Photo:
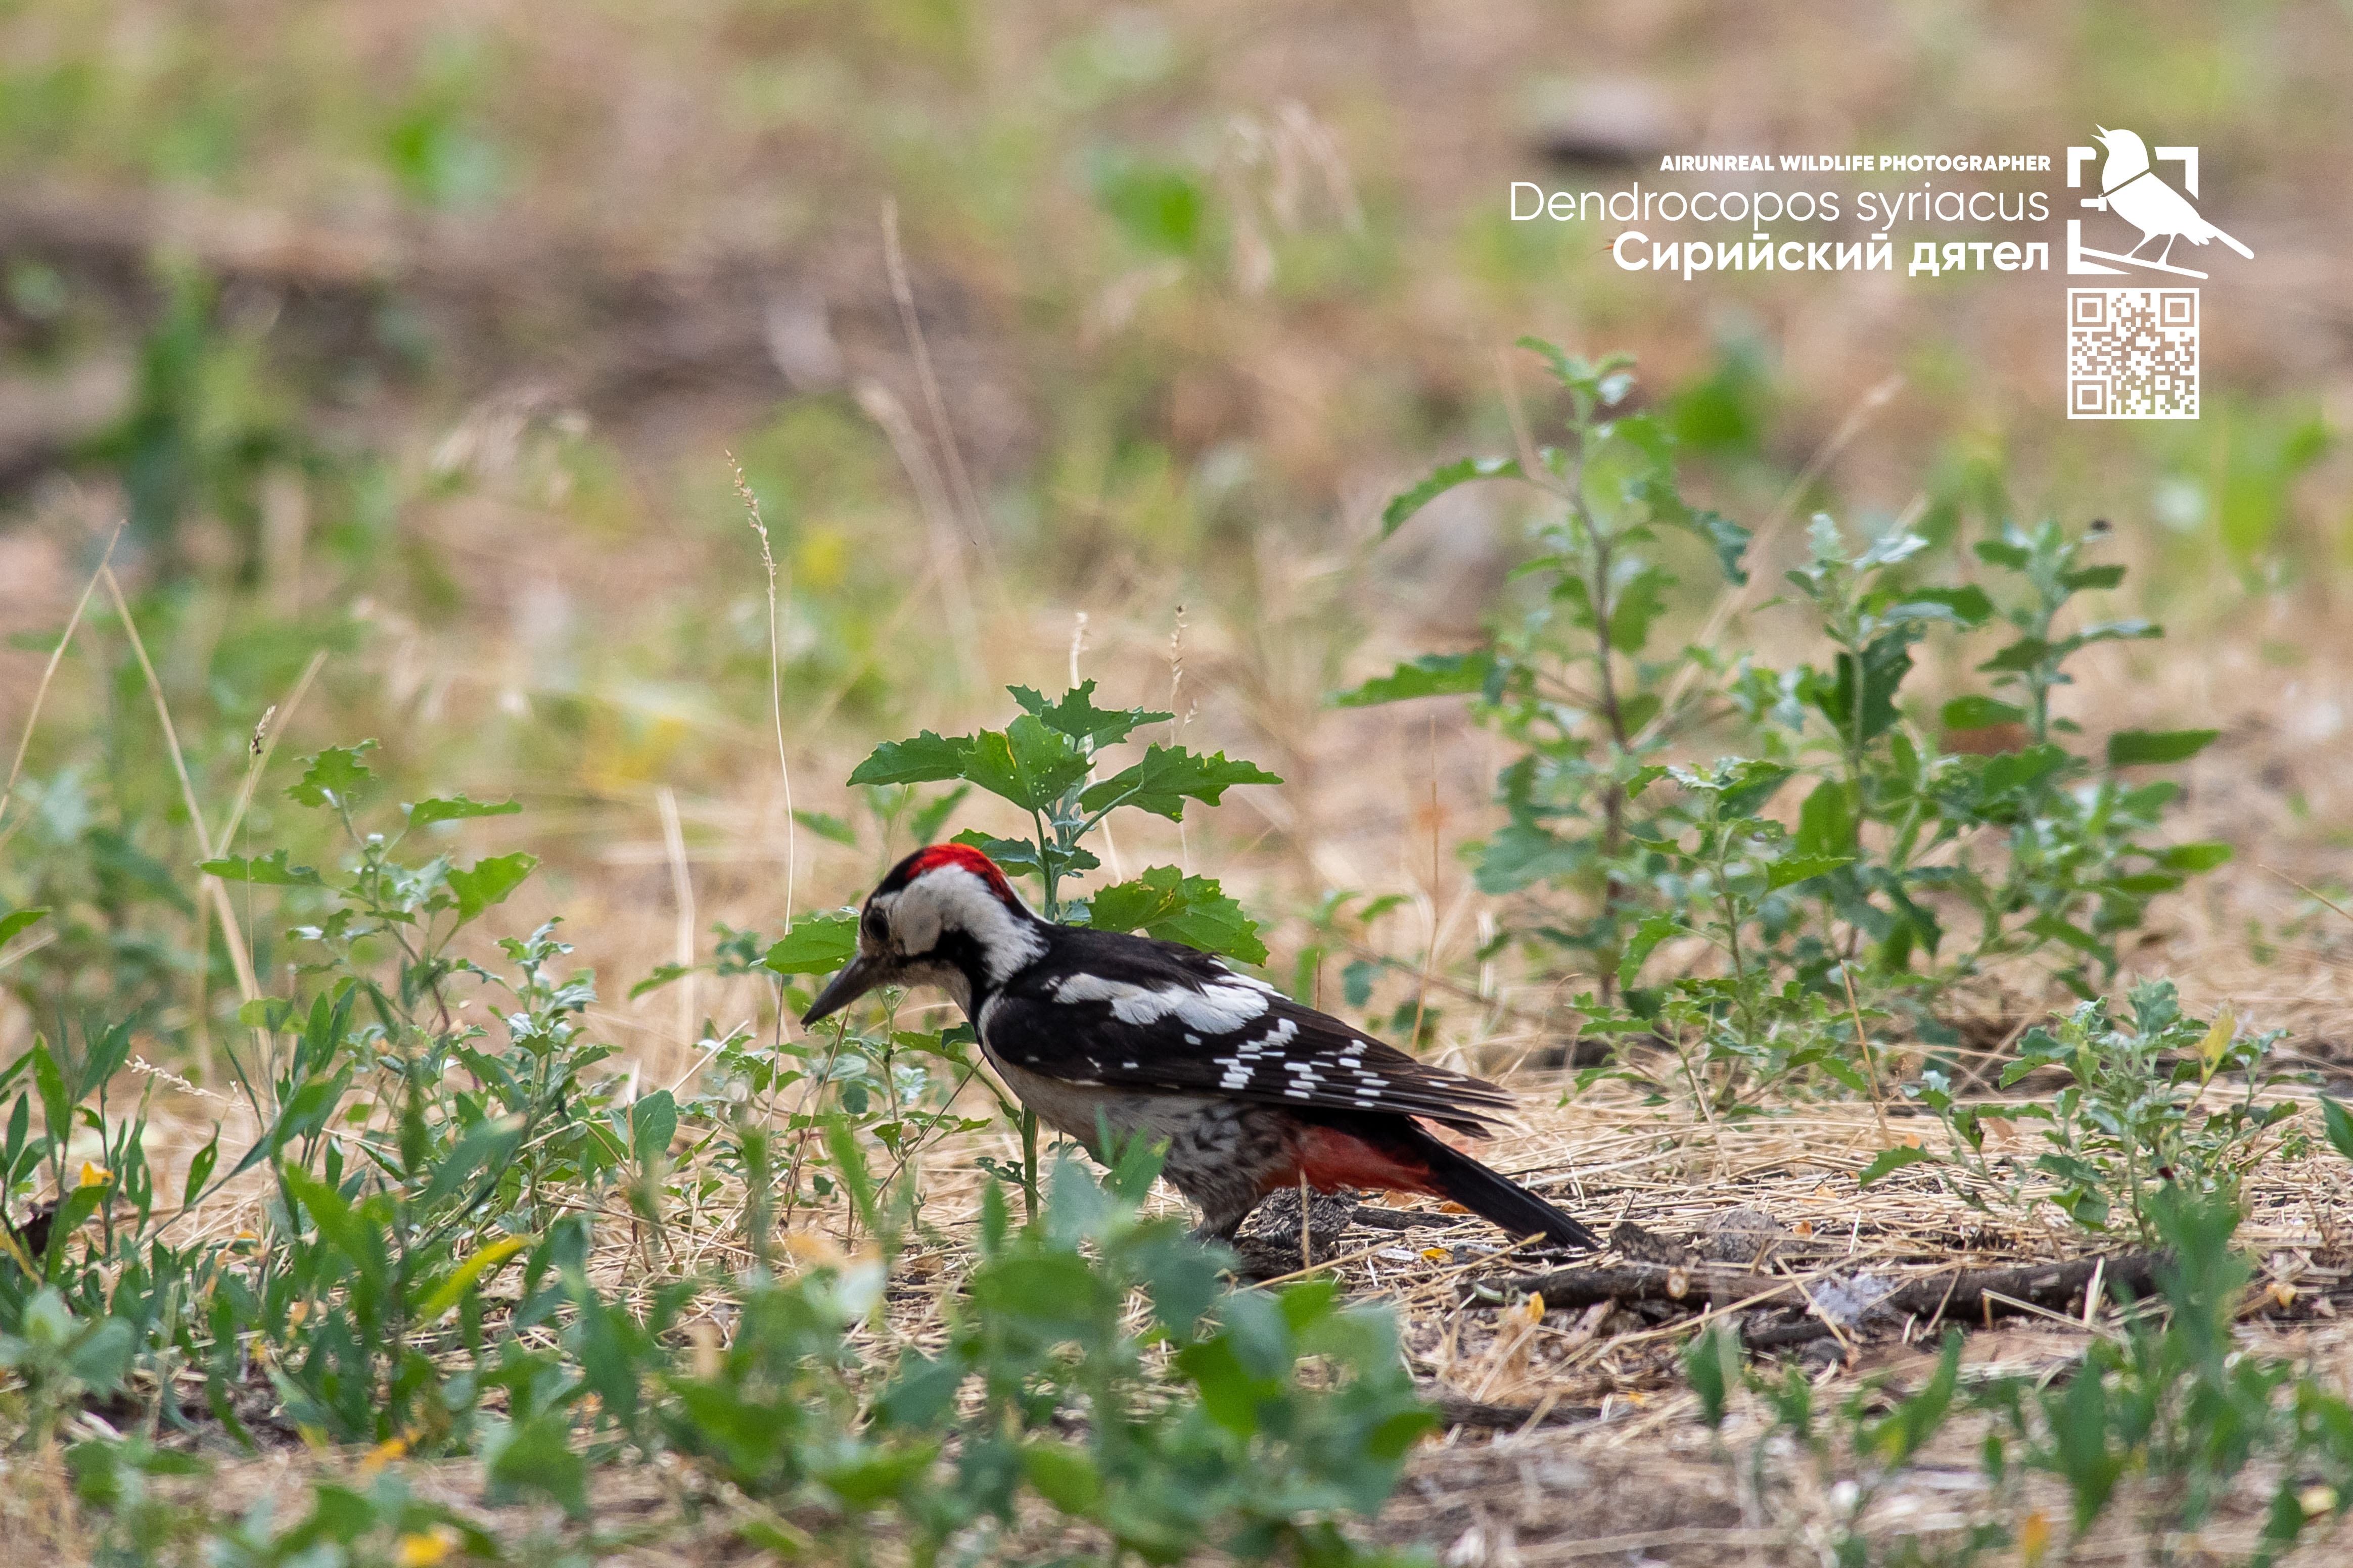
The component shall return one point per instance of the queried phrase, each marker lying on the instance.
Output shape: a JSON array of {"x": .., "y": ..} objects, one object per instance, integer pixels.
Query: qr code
[{"x": 2132, "y": 353}]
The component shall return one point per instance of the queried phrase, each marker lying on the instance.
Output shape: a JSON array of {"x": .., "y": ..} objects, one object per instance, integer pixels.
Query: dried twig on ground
[{"x": 1963, "y": 1294}]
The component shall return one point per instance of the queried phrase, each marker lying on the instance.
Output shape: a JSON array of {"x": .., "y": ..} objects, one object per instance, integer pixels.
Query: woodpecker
[{"x": 1247, "y": 1091}]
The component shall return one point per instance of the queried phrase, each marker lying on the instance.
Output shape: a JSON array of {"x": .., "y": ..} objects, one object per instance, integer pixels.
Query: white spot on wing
[
  {"x": 1219, "y": 1008},
  {"x": 1237, "y": 977}
]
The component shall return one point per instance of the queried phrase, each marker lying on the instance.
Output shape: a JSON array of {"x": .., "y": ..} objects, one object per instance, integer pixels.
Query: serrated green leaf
[
  {"x": 1165, "y": 903},
  {"x": 489, "y": 882},
  {"x": 268, "y": 1014},
  {"x": 828, "y": 827},
  {"x": 1440, "y": 480},
  {"x": 1710, "y": 1365},
  {"x": 1885, "y": 662},
  {"x": 653, "y": 1122},
  {"x": 2055, "y": 928},
  {"x": 2131, "y": 748},
  {"x": 488, "y": 1144},
  {"x": 1826, "y": 822},
  {"x": 1063, "y": 1475},
  {"x": 2339, "y": 1123},
  {"x": 1976, "y": 712},
  {"x": 2149, "y": 798},
  {"x": 2084, "y": 577},
  {"x": 536, "y": 1455},
  {"x": 1889, "y": 549},
  {"x": 817, "y": 944},
  {"x": 1074, "y": 714},
  {"x": 926, "y": 759},
  {"x": 1573, "y": 371},
  {"x": 1521, "y": 853},
  {"x": 2193, "y": 858},
  {"x": 662, "y": 976},
  {"x": 1170, "y": 775},
  {"x": 333, "y": 777},
  {"x": 478, "y": 1262},
  {"x": 1966, "y": 607},
  {"x": 876, "y": 1473},
  {"x": 1746, "y": 788},
  {"x": 1050, "y": 1292},
  {"x": 1654, "y": 930},
  {"x": 922, "y": 1391},
  {"x": 1843, "y": 1073},
  {"x": 2022, "y": 655},
  {"x": 1431, "y": 675},
  {"x": 453, "y": 809},
  {"x": 2131, "y": 630},
  {"x": 1026, "y": 762},
  {"x": 271, "y": 870},
  {"x": 1792, "y": 869},
  {"x": 1640, "y": 600},
  {"x": 200, "y": 1170},
  {"x": 15, "y": 921},
  {"x": 2018, "y": 770},
  {"x": 1890, "y": 1160},
  {"x": 1730, "y": 541},
  {"x": 924, "y": 826},
  {"x": 1656, "y": 492}
]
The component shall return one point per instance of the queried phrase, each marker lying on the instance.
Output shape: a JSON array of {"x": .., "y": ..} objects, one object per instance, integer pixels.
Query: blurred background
[{"x": 1053, "y": 341}]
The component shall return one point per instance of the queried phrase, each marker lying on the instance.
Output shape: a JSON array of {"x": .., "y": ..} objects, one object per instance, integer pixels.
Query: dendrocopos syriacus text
[{"x": 1248, "y": 1090}]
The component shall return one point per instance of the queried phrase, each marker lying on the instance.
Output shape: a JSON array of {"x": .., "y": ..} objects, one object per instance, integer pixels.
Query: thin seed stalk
[{"x": 1613, "y": 792}]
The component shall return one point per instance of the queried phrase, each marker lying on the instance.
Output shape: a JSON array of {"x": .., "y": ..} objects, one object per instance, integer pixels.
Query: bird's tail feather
[{"x": 1498, "y": 1199}]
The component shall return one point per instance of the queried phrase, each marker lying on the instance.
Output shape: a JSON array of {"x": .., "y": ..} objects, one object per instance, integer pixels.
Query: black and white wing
[{"x": 1129, "y": 1012}]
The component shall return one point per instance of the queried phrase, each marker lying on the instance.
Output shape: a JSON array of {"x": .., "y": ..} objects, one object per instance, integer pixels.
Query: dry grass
[
  {"x": 1577, "y": 1437},
  {"x": 1583, "y": 1447},
  {"x": 635, "y": 831}
]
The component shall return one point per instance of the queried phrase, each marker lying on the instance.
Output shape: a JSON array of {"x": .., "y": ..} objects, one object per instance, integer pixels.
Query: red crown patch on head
[{"x": 961, "y": 856}]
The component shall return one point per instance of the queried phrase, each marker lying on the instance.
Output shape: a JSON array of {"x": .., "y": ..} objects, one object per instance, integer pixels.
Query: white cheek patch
[
  {"x": 1217, "y": 1009},
  {"x": 952, "y": 898}
]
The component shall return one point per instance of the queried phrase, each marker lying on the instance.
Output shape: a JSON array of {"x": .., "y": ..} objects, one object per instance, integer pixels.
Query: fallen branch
[
  {"x": 1455, "y": 1411},
  {"x": 1960, "y": 1295}
]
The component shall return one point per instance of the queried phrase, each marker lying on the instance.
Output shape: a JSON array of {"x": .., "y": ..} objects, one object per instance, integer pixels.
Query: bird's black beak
[{"x": 861, "y": 976}]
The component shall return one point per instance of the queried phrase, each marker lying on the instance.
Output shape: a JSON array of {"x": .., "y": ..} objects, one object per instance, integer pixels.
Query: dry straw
[{"x": 776, "y": 681}]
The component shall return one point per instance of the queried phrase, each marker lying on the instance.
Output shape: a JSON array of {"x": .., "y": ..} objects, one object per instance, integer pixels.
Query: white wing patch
[{"x": 1220, "y": 1008}]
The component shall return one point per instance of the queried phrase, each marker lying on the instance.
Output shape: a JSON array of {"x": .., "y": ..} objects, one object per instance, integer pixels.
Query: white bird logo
[{"x": 2131, "y": 189}]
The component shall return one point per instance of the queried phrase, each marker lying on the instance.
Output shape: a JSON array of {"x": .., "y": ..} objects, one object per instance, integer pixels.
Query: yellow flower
[
  {"x": 382, "y": 1454},
  {"x": 815, "y": 1250},
  {"x": 95, "y": 1176},
  {"x": 2035, "y": 1538},
  {"x": 423, "y": 1549}
]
